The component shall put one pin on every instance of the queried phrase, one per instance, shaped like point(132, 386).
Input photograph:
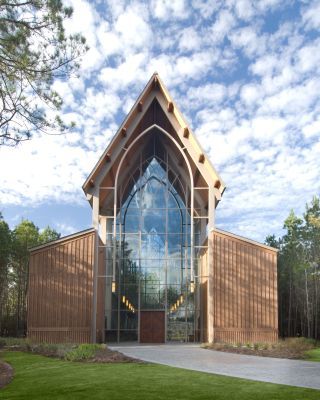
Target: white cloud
point(109, 41)
point(249, 88)
point(84, 20)
point(312, 130)
point(293, 99)
point(46, 168)
point(244, 9)
point(311, 15)
point(248, 40)
point(206, 8)
point(250, 93)
point(221, 27)
point(65, 229)
point(265, 65)
point(133, 28)
point(168, 9)
point(193, 67)
point(189, 39)
point(126, 73)
point(309, 57)
point(91, 60)
point(64, 90)
point(101, 104)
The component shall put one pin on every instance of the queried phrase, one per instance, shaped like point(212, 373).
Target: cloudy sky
point(246, 75)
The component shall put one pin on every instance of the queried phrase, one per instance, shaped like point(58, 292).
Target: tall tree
point(24, 236)
point(299, 273)
point(48, 234)
point(292, 247)
point(34, 50)
point(5, 249)
point(312, 255)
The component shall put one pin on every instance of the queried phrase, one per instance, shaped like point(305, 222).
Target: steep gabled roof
point(154, 90)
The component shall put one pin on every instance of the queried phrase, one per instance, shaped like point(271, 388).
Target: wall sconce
point(113, 286)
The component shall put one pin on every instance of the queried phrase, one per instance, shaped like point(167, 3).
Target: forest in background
point(298, 273)
point(14, 267)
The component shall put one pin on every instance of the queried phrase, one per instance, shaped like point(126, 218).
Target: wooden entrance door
point(152, 326)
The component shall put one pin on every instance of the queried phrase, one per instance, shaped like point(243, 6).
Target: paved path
point(191, 356)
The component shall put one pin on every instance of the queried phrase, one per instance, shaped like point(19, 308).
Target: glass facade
point(152, 254)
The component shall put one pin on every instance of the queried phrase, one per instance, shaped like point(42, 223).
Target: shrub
point(47, 349)
point(82, 352)
point(21, 343)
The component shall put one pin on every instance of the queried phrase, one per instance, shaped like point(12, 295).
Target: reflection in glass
point(153, 256)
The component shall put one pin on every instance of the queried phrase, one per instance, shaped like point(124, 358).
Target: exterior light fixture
point(123, 299)
point(192, 286)
point(181, 298)
point(178, 302)
point(113, 287)
point(127, 302)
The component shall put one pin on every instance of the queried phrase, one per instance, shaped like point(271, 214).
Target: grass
point(38, 377)
point(313, 355)
point(295, 348)
point(67, 351)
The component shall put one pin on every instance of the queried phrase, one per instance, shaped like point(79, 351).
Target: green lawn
point(38, 377)
point(313, 355)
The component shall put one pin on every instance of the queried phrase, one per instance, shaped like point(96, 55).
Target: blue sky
point(246, 75)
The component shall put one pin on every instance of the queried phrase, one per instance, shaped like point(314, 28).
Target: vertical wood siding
point(203, 275)
point(245, 290)
point(60, 291)
point(101, 294)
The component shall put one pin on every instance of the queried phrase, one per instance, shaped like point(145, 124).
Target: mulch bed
point(6, 374)
point(102, 355)
point(110, 356)
point(275, 353)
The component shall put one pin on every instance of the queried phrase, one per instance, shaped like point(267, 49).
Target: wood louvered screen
point(60, 290)
point(245, 290)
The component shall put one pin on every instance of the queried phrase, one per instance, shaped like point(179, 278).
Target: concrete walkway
point(191, 356)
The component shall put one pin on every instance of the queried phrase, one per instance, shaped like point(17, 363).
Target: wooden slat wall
point(101, 295)
point(203, 274)
point(60, 291)
point(245, 290)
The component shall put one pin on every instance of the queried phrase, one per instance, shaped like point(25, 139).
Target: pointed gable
point(153, 108)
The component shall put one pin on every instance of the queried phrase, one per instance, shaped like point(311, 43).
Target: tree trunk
point(307, 304)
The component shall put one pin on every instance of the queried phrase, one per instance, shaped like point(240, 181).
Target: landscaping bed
point(69, 352)
point(291, 348)
point(6, 374)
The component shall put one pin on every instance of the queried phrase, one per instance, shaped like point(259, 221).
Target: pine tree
point(34, 50)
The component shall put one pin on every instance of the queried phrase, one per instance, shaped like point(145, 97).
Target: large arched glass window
point(153, 266)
